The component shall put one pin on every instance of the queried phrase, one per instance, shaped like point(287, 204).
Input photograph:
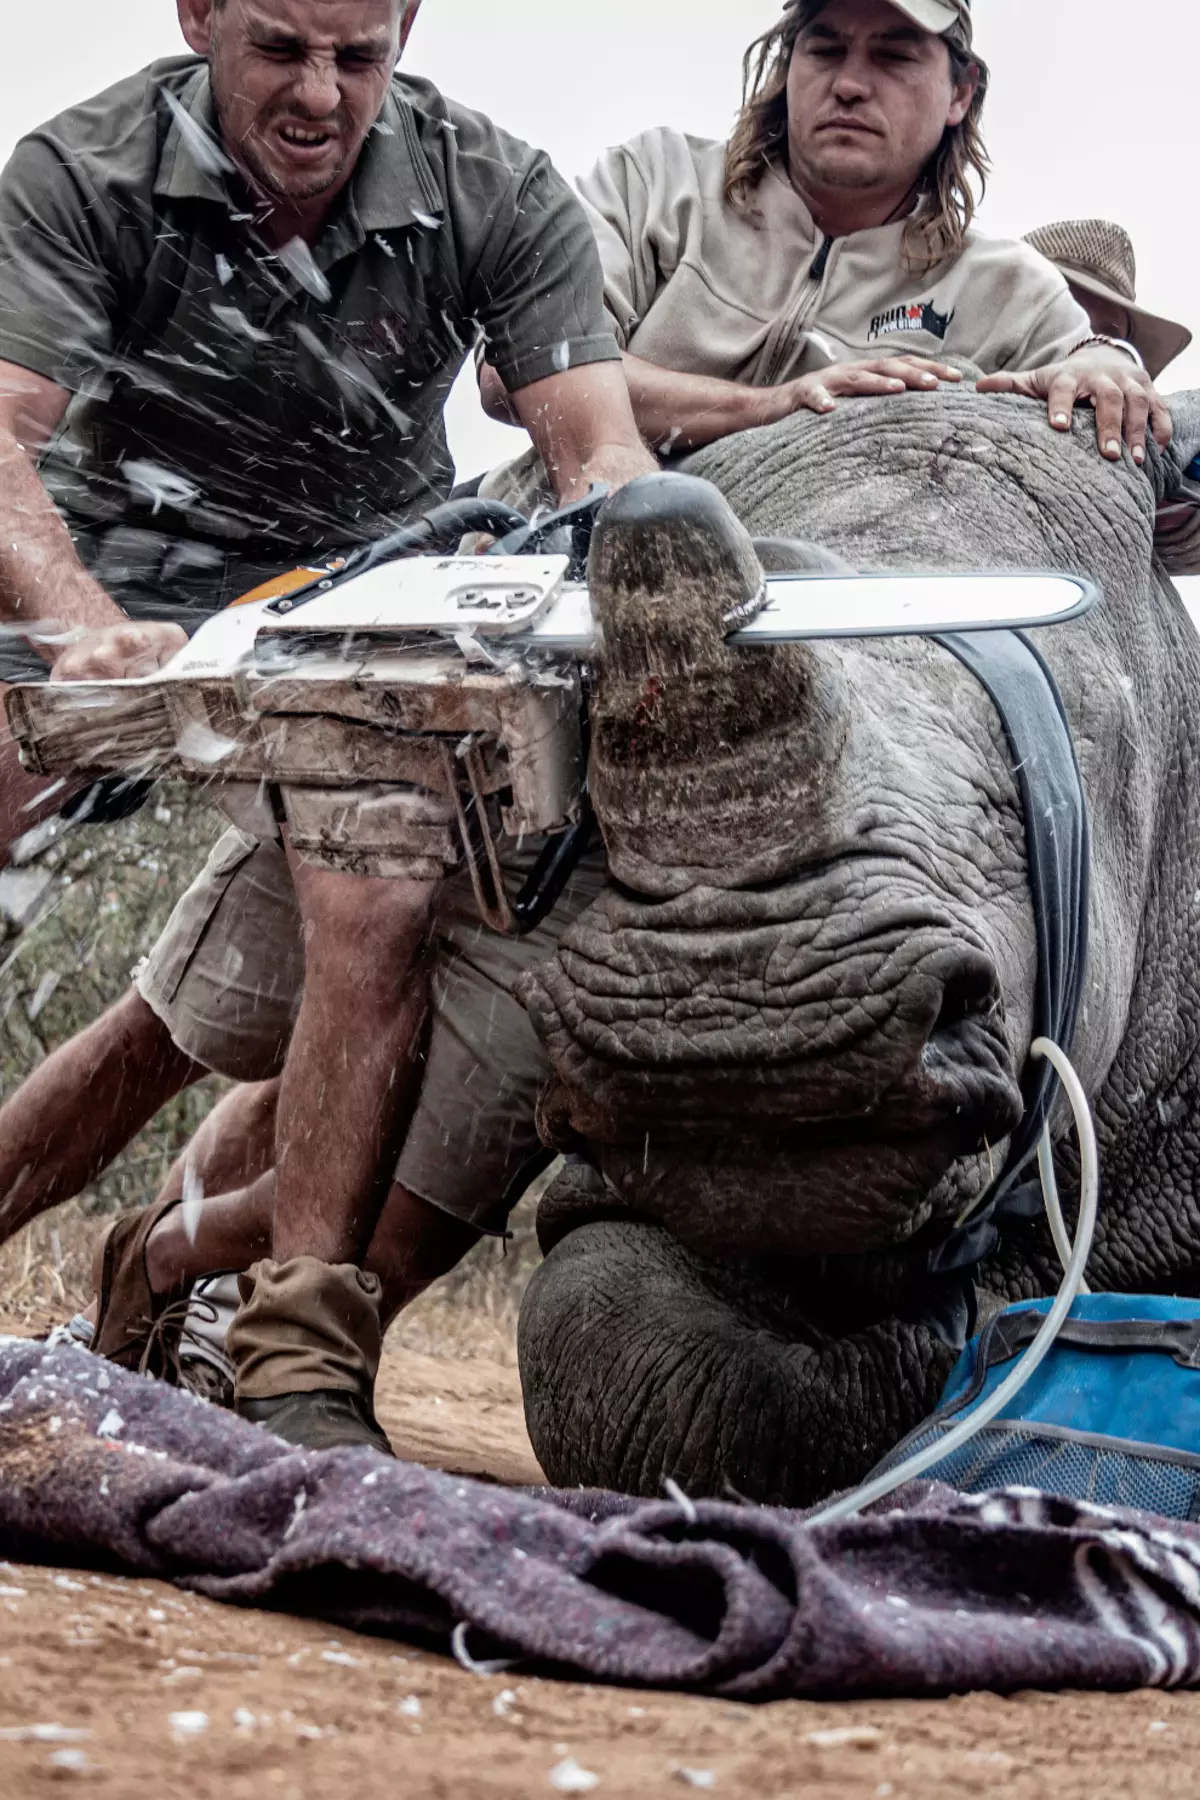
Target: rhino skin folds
point(792, 1032)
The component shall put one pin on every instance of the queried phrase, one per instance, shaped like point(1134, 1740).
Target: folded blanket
point(940, 1593)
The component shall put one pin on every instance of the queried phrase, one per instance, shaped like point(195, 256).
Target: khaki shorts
point(227, 975)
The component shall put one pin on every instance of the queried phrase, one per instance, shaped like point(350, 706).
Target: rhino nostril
point(969, 993)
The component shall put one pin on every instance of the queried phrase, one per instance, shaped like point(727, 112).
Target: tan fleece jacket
point(692, 285)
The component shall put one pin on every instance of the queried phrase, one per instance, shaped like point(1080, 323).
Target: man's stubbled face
point(869, 97)
point(298, 84)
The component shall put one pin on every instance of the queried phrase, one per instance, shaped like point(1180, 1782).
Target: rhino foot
point(643, 1362)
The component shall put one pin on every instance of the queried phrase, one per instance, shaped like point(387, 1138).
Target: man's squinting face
point(869, 97)
point(298, 84)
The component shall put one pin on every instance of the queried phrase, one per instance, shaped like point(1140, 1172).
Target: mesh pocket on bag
point(1105, 1471)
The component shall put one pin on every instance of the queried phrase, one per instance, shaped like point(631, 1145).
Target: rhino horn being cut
point(712, 756)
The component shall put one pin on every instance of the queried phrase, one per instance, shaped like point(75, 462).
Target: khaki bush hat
point(1097, 256)
point(940, 16)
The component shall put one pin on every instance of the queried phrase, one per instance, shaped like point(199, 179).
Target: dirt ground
point(139, 1692)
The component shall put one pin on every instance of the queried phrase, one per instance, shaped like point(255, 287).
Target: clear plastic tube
point(911, 1470)
point(1054, 1211)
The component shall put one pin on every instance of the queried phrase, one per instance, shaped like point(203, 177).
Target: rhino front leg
point(640, 1362)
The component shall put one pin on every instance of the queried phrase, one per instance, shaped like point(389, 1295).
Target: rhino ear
point(785, 555)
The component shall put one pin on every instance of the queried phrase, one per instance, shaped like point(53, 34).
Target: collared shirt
point(276, 404)
point(761, 297)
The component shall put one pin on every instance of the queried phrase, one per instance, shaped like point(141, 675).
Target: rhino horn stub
point(705, 754)
point(672, 572)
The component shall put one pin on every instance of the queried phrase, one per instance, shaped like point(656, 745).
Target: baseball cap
point(940, 16)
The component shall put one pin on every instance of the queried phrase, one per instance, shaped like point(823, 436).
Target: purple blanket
point(938, 1594)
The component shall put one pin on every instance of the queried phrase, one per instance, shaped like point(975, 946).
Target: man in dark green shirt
point(234, 292)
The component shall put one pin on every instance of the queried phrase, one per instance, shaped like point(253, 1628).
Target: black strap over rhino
point(1026, 696)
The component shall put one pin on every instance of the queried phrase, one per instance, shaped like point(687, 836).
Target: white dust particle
point(244, 1719)
point(192, 1206)
point(1158, 1725)
point(44, 994)
point(204, 148)
point(843, 1736)
point(234, 319)
point(342, 1658)
point(75, 1760)
point(410, 1708)
point(697, 1778)
point(111, 1425)
point(155, 1614)
point(42, 1734)
point(200, 744)
point(569, 1778)
point(297, 259)
point(12, 1593)
point(188, 1724)
point(162, 487)
point(504, 1702)
point(298, 1506)
point(562, 357)
point(68, 1586)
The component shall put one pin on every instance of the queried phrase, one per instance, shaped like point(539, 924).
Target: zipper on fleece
point(820, 261)
point(808, 304)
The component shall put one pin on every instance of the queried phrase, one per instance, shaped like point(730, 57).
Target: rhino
point(788, 1043)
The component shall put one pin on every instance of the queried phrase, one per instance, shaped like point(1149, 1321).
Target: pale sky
point(1090, 113)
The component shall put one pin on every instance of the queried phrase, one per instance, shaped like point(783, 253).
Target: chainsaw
point(404, 709)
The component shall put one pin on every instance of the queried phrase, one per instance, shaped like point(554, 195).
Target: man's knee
point(360, 928)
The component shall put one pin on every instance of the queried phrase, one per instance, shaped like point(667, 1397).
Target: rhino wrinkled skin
point(792, 1033)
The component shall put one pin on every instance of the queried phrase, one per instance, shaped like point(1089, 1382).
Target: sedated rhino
point(791, 1036)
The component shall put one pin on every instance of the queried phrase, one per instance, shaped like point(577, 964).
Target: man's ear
point(408, 19)
point(196, 24)
point(962, 95)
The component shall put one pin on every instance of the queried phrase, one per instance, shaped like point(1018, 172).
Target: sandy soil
point(135, 1690)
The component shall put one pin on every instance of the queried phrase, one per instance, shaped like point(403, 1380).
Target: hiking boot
point(323, 1419)
point(135, 1327)
point(306, 1345)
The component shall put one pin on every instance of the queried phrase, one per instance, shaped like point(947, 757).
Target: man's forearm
point(41, 577)
point(584, 430)
point(683, 412)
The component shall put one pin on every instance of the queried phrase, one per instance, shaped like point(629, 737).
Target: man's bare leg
point(82, 1106)
point(414, 1245)
point(232, 1147)
point(307, 1338)
point(350, 1083)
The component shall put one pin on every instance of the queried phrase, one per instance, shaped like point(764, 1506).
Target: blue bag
point(1112, 1416)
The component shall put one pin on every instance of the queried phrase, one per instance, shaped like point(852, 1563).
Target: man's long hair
point(937, 229)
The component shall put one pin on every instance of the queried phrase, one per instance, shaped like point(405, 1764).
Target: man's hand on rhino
point(119, 652)
point(876, 375)
point(1125, 399)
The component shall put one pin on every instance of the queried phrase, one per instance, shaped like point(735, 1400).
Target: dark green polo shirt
point(276, 404)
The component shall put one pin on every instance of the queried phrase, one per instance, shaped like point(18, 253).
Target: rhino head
point(790, 1040)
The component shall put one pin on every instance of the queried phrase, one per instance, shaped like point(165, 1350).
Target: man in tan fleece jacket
point(827, 249)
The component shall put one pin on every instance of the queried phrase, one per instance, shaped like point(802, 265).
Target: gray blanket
point(939, 1593)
